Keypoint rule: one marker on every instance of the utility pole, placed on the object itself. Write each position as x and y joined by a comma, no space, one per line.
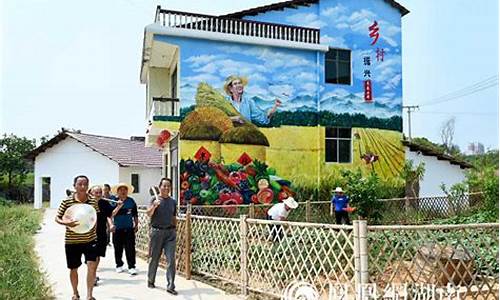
410,109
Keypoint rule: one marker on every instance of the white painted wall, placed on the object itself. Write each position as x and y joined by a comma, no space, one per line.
147,178
436,172
66,160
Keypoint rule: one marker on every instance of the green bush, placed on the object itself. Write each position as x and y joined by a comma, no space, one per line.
485,180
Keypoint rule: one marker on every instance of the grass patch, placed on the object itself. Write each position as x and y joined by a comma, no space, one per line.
20,277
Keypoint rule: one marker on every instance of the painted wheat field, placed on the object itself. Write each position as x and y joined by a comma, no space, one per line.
385,145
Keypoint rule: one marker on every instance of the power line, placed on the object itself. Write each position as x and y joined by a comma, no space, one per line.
474,88
458,113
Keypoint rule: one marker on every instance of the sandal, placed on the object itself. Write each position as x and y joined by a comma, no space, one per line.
75,297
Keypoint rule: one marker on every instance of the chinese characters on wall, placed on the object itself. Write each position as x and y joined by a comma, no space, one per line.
373,32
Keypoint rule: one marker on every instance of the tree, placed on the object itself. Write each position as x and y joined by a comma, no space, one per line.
412,177
447,133
12,161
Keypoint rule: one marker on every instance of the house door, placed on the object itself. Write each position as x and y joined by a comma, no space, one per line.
174,166
46,189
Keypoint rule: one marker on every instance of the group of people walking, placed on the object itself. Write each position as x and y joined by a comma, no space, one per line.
117,215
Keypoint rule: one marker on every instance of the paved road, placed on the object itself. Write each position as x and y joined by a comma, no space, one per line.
50,249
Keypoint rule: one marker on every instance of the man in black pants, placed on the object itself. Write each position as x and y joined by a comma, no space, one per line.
341,203
163,222
126,222
78,244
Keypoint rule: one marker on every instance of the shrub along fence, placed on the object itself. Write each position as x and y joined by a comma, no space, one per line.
265,256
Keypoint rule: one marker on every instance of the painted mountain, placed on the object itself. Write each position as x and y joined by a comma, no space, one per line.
351,103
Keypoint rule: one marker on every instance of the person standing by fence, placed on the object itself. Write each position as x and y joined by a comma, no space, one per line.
162,212
340,203
126,221
279,212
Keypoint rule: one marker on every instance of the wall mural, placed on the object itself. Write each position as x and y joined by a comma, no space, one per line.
250,114
372,31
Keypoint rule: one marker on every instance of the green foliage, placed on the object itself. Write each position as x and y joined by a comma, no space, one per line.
12,152
411,173
485,179
313,118
363,193
327,118
13,166
487,160
20,277
473,217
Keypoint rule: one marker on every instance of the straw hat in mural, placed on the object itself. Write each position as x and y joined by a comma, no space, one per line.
290,202
115,188
230,80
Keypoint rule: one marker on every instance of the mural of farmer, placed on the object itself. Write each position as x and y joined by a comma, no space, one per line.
234,87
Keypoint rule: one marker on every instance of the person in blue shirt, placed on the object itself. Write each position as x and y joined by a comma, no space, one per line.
126,221
234,87
341,202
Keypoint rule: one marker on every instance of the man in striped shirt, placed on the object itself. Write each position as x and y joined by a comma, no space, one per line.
78,244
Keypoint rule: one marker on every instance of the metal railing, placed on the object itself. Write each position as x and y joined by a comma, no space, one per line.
164,106
267,256
187,20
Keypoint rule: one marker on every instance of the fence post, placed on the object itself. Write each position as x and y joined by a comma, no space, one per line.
243,254
187,249
363,252
251,211
357,273
407,203
308,210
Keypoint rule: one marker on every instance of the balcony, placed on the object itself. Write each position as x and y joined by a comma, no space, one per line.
164,108
193,21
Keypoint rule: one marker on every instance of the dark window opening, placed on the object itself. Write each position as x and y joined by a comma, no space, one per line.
338,145
338,66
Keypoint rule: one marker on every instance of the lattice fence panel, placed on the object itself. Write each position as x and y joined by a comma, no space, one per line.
422,210
318,254
142,235
465,257
216,247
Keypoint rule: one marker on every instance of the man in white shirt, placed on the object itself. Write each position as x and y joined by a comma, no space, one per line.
279,212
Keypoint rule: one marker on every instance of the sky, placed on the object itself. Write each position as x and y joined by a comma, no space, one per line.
75,64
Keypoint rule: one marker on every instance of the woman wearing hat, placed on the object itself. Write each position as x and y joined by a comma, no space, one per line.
234,87
341,204
126,221
279,212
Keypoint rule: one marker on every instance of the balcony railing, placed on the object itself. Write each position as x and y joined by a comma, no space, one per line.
164,107
171,18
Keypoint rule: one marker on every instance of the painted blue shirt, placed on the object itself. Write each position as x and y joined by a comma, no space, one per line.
340,202
125,217
249,110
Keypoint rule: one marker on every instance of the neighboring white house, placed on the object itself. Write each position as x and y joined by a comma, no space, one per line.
103,159
439,168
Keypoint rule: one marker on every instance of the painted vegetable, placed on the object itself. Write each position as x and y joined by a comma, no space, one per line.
265,196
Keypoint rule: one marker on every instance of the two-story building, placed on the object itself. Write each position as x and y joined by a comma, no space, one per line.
250,104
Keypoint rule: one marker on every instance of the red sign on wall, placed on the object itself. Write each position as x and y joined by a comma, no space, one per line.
368,91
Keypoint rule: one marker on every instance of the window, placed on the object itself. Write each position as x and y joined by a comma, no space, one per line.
135,182
338,66
338,145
